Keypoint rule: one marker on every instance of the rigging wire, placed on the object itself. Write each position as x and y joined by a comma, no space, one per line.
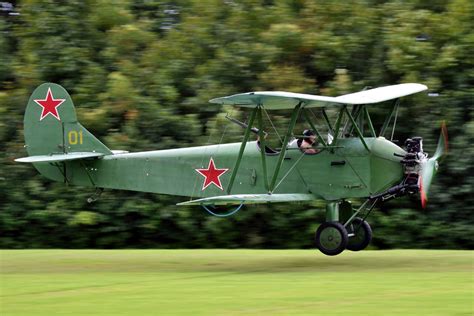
274,128
316,118
318,124
288,172
394,123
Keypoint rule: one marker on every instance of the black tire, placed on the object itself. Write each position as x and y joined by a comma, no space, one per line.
362,236
331,238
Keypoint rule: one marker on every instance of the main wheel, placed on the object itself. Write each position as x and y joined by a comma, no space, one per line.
362,234
331,238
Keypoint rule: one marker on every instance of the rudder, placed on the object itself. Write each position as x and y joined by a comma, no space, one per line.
51,127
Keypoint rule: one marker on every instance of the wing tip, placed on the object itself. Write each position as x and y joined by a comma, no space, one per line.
217,101
421,86
22,159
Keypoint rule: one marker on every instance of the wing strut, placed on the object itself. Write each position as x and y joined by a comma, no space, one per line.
338,125
241,151
289,132
389,117
394,123
326,118
369,122
261,137
359,133
356,110
306,116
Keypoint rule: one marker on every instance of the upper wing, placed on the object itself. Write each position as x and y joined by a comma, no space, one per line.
382,94
250,199
279,100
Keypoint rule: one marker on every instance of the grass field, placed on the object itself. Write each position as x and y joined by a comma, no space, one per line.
234,282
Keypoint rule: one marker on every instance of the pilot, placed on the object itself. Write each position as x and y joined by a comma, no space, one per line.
307,142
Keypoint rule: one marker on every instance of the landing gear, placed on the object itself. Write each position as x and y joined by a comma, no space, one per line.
342,229
331,238
360,234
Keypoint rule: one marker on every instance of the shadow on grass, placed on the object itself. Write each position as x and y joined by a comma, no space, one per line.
230,261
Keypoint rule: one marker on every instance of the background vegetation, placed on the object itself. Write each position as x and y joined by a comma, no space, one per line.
141,74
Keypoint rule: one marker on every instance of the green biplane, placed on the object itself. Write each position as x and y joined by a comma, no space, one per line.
351,162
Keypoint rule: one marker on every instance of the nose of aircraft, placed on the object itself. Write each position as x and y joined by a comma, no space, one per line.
386,169
390,163
386,149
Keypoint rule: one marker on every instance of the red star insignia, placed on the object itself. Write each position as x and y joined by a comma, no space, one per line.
211,175
49,105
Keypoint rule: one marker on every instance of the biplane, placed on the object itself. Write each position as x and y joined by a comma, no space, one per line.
351,161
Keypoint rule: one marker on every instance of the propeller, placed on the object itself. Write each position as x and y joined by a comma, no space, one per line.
429,167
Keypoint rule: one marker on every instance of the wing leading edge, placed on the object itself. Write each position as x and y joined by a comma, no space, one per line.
59,157
280,100
236,199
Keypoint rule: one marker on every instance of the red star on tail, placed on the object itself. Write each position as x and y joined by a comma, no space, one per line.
49,105
211,175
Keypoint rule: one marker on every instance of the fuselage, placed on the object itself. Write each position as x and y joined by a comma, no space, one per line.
347,171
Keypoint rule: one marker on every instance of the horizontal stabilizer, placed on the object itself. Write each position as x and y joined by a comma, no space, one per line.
59,157
250,199
280,100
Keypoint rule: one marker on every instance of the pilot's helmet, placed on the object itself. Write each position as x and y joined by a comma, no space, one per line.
307,133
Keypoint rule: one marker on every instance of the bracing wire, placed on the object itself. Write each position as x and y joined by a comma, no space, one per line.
394,123
289,170
316,119
273,126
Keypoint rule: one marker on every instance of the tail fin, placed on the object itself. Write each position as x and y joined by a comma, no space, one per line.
51,124
51,128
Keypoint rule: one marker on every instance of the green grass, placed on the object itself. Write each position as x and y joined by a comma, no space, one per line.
235,282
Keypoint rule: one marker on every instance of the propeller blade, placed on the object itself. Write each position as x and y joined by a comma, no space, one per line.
442,142
423,197
430,166
426,177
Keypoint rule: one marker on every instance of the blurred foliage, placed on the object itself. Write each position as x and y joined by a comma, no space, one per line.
141,74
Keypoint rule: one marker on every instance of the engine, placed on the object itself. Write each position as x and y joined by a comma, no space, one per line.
412,162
